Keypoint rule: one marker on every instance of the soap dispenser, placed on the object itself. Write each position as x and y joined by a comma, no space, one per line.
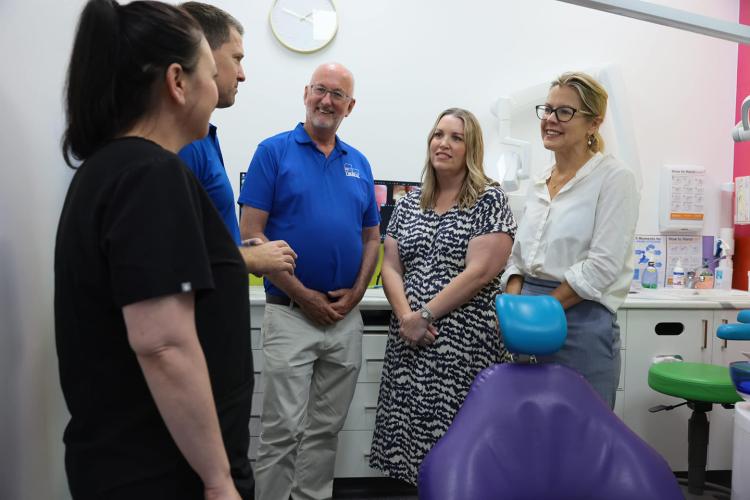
650,278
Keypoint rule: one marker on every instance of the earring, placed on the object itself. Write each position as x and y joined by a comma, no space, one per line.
591,140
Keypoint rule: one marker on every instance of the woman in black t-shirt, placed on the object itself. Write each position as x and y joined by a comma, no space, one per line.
151,300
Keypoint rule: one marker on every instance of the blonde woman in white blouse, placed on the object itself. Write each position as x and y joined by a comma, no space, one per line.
575,241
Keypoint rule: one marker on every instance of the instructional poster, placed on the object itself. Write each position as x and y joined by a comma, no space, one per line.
687,195
648,248
689,251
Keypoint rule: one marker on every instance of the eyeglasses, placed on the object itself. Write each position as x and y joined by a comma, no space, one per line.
563,113
321,91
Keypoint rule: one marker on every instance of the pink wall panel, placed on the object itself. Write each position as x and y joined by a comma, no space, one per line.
742,156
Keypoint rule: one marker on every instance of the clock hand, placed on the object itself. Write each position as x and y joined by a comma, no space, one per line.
307,18
288,11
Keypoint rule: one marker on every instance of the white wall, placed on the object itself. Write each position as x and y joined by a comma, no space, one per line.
410,59
35,37
413,59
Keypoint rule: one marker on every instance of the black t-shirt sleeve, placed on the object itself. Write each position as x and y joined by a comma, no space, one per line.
153,234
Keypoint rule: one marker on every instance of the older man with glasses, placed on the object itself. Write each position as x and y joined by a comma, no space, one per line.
309,188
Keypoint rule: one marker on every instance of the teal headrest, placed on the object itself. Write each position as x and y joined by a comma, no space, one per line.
531,324
734,331
744,316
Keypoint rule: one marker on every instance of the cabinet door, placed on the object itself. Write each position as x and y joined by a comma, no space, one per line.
721,420
373,357
353,455
256,321
666,431
622,320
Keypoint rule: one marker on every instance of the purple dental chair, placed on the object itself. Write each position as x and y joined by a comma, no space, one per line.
528,431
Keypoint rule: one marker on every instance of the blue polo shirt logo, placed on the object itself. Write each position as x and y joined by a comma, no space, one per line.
351,171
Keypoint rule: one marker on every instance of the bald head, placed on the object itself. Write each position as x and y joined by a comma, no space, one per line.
335,71
328,100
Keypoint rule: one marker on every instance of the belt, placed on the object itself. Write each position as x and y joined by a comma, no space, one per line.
279,301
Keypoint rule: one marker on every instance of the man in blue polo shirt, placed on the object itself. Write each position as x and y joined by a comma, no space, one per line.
224,35
308,187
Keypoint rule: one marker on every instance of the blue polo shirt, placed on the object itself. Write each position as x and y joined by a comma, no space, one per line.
204,158
316,204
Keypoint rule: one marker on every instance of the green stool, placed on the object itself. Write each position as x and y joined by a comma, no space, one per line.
701,386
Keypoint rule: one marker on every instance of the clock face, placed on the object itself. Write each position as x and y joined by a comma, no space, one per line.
304,25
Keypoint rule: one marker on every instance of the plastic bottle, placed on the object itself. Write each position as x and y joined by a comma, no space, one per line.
723,274
650,278
678,275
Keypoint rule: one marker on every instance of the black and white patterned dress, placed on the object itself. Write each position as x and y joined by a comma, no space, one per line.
422,389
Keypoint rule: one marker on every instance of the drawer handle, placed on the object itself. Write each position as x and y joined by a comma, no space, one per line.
375,360
669,328
705,333
724,342
366,454
371,406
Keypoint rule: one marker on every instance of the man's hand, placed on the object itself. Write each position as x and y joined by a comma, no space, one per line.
317,308
270,257
344,300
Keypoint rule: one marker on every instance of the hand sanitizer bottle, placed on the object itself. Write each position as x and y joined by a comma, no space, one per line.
650,276
678,275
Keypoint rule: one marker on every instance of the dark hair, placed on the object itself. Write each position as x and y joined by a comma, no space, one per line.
118,54
215,22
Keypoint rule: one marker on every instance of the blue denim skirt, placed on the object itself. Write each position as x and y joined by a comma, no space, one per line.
592,347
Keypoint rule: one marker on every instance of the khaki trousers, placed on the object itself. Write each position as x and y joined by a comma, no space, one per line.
309,377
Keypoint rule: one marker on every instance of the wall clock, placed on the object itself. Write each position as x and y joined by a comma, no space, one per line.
304,25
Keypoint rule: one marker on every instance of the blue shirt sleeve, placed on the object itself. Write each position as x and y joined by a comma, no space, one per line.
372,213
258,189
191,156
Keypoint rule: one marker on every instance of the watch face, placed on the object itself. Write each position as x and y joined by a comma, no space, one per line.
304,25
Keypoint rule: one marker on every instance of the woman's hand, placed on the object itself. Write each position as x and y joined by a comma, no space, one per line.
415,330
430,336
225,491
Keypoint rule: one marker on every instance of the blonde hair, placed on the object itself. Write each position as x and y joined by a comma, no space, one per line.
475,180
594,99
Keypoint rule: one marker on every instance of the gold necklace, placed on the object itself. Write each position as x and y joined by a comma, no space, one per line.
560,182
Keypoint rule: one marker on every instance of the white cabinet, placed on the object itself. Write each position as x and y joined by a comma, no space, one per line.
622,320
666,431
721,420
353,454
651,333
256,321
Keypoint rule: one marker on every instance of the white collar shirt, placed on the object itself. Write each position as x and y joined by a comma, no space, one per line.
584,235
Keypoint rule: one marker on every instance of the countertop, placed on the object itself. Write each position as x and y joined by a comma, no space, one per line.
662,298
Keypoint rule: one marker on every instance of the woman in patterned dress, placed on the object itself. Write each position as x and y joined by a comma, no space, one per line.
445,248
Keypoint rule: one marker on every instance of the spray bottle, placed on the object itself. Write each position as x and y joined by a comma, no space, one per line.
723,272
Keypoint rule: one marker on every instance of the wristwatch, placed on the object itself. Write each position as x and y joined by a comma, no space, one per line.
426,314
